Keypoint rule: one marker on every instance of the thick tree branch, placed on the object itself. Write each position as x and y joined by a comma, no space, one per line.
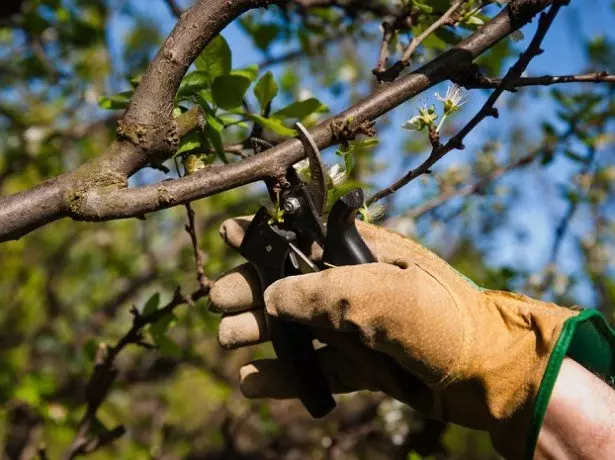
96,191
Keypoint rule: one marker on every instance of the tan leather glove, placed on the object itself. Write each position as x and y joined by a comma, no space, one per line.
410,326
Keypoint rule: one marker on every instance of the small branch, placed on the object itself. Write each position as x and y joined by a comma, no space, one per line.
487,110
481,81
42,453
204,282
105,373
387,34
174,7
393,72
470,189
564,224
445,19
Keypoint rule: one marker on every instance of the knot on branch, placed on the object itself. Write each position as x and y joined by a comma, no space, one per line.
165,197
347,130
87,178
155,139
391,73
469,76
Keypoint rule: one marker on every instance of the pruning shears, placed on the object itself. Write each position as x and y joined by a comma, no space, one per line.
279,247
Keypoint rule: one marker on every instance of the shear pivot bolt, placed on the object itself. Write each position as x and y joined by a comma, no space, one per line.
291,205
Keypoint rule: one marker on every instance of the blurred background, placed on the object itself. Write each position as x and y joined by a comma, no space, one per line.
526,206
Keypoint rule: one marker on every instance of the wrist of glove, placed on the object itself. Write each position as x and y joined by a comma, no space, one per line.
410,326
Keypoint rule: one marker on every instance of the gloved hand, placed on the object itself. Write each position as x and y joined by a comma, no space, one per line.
410,326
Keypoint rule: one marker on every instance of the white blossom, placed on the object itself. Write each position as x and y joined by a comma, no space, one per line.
454,98
337,175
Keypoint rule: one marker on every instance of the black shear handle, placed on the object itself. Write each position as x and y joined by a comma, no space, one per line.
344,245
267,250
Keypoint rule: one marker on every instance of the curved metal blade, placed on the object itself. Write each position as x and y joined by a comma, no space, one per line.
318,183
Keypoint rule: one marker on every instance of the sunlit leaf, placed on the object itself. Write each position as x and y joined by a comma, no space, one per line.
115,102
273,124
192,141
215,59
250,72
300,109
228,90
266,89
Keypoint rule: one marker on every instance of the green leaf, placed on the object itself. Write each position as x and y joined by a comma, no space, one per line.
369,143
213,130
215,59
152,304
265,90
228,90
135,80
115,102
168,347
422,7
160,327
193,83
90,348
273,124
250,72
192,141
300,109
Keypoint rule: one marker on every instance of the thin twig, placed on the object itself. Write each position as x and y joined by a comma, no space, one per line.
487,110
393,72
204,282
42,453
442,21
174,7
471,189
105,373
545,80
388,32
564,224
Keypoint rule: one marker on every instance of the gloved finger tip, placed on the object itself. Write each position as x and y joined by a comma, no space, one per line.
252,382
233,230
236,290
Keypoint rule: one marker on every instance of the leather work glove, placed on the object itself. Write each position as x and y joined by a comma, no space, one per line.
412,327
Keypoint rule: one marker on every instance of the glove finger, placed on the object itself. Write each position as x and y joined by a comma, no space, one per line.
236,290
233,230
268,378
342,298
243,329
348,366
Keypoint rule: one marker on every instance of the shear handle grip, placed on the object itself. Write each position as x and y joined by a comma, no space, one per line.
292,342
344,244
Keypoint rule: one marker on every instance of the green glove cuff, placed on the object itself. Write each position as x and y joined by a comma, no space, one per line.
586,338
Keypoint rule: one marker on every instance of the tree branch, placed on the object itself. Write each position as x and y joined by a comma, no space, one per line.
487,110
174,7
393,72
105,373
545,80
471,189
96,191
